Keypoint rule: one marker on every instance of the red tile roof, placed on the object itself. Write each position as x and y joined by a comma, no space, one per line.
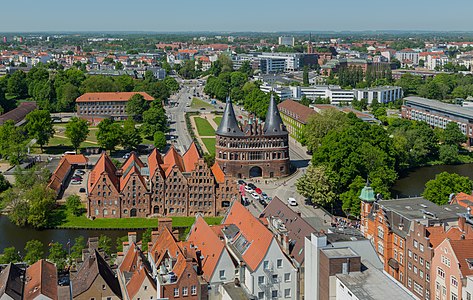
118,96
295,110
154,160
136,281
463,251
251,228
172,158
103,166
41,279
218,173
463,200
191,157
210,245
437,234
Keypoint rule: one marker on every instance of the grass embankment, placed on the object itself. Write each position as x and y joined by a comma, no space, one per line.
198,104
210,145
218,120
203,127
62,219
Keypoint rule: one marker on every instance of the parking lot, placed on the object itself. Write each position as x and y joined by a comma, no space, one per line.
75,189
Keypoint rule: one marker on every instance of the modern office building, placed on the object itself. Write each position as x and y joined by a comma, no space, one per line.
439,114
383,94
286,41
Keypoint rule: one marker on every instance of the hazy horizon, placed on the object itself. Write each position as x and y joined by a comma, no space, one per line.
242,16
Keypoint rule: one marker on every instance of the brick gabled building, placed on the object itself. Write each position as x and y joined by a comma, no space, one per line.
172,185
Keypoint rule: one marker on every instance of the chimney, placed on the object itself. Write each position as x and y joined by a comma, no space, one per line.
154,236
126,246
164,223
175,233
285,243
461,223
131,237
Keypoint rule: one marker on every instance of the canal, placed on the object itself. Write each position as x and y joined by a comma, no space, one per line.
410,185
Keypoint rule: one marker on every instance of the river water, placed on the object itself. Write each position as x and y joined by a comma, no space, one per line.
411,184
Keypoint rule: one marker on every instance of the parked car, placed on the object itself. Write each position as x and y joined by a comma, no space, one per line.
255,196
202,108
76,182
241,182
248,189
82,190
259,191
291,201
251,185
265,197
79,172
245,201
263,202
77,178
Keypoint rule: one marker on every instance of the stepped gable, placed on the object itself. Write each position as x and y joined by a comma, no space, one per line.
191,157
103,166
210,245
258,237
229,124
132,165
154,161
218,173
172,158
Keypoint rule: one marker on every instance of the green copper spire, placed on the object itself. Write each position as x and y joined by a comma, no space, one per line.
367,193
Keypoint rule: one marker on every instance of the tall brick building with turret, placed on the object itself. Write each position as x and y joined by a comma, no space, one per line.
253,149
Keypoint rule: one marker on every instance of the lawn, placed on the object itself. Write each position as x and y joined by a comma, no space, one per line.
198,104
59,145
62,219
210,145
203,127
218,120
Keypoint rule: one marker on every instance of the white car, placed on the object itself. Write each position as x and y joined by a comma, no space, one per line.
292,202
248,189
255,196
76,182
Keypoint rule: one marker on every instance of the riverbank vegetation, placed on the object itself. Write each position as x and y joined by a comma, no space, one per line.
349,151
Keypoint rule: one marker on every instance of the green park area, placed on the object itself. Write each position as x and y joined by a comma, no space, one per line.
210,145
198,104
63,219
218,120
203,127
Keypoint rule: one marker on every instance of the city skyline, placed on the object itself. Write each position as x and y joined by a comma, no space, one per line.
212,16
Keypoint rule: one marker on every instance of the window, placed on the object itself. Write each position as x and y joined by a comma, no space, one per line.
416,244
427,276
415,270
380,232
260,279
446,261
401,276
409,264
222,274
266,264
421,247
380,248
418,288
454,281
176,292
409,281
395,239
275,278
421,274
104,287
409,252
444,290
274,293
421,261
185,291
260,295
287,277
427,265
468,296
454,296
440,272
415,257
287,293
395,254
401,241
193,290
401,258
279,263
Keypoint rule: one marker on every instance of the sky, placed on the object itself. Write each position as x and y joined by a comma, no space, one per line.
238,15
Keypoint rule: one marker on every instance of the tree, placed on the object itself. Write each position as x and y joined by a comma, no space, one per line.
41,200
105,243
305,101
57,255
131,137
66,96
136,106
74,205
4,183
154,119
77,131
10,255
40,126
246,68
171,83
146,239
439,189
109,134
453,135
124,83
76,249
319,125
12,142
119,242
209,159
17,85
448,154
305,76
98,84
351,198
316,185
160,140
34,251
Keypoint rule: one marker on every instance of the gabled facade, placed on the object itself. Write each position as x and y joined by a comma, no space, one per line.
41,281
171,185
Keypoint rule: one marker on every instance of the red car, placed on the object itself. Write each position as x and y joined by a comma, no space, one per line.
259,191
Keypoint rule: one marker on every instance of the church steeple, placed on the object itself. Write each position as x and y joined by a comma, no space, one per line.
367,193
273,124
229,124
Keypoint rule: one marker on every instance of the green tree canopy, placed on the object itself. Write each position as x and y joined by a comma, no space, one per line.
76,249
74,205
105,243
439,189
453,135
34,251
136,106
77,131
160,140
154,119
316,185
40,126
57,255
351,198
131,136
109,134
10,255
319,125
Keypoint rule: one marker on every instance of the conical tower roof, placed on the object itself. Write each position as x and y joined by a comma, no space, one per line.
229,124
273,124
